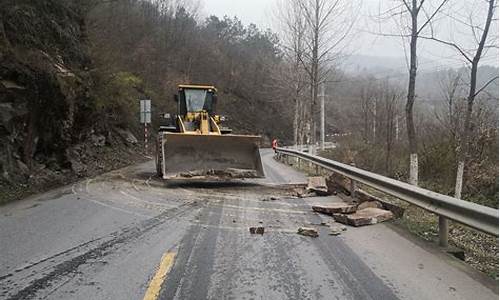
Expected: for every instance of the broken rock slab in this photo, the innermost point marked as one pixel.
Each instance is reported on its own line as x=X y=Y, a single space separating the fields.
x=308 y=231
x=364 y=196
x=366 y=216
x=338 y=183
x=317 y=184
x=367 y=204
x=305 y=194
x=333 y=208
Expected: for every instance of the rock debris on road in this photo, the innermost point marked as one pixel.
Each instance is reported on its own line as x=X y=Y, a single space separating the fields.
x=127 y=235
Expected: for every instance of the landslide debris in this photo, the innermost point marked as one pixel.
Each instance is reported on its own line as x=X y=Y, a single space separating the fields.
x=366 y=216
x=365 y=213
x=317 y=185
x=307 y=231
x=333 y=208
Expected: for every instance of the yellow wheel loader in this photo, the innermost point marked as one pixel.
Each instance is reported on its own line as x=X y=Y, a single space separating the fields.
x=193 y=143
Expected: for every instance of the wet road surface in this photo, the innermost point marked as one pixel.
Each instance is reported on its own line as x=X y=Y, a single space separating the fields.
x=127 y=235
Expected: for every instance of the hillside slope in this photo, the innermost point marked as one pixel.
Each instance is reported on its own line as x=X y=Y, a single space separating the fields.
x=48 y=131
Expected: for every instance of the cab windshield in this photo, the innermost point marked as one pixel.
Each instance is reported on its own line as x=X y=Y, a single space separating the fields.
x=195 y=99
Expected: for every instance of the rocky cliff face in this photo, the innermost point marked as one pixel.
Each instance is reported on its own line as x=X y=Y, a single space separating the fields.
x=43 y=83
x=46 y=100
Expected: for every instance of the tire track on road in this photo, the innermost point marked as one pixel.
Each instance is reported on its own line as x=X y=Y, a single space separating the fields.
x=190 y=276
x=70 y=266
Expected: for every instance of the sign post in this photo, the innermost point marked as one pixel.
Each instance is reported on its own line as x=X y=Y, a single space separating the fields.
x=145 y=119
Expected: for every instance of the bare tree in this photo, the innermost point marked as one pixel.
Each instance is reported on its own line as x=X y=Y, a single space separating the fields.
x=367 y=97
x=451 y=90
x=452 y=109
x=472 y=58
x=328 y=24
x=413 y=18
x=391 y=104
x=293 y=29
x=414 y=9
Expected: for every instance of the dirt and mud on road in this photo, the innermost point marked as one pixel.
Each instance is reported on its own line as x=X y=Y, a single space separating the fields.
x=128 y=235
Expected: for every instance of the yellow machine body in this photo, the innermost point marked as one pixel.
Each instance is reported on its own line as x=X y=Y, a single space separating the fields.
x=196 y=145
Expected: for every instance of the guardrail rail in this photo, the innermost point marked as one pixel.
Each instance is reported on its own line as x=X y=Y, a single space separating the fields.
x=471 y=214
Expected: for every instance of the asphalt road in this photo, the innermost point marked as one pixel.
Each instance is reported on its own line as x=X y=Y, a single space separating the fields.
x=126 y=235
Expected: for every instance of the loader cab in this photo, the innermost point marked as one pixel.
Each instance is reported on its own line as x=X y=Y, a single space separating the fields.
x=196 y=98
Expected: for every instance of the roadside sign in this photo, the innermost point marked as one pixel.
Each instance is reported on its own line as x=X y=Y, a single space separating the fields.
x=146 y=119
x=145 y=111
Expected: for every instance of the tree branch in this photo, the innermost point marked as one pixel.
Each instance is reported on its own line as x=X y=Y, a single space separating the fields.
x=485 y=85
x=449 y=44
x=429 y=19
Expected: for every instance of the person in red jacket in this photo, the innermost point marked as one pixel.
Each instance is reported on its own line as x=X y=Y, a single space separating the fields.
x=275 y=144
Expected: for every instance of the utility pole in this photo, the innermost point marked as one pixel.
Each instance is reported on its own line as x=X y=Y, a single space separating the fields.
x=322 y=128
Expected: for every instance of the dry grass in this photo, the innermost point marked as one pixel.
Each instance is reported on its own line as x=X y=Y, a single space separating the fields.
x=481 y=250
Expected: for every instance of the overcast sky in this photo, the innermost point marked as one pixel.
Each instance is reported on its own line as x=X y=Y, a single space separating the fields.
x=260 y=12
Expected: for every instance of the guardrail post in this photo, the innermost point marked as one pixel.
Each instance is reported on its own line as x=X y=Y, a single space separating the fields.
x=317 y=170
x=443 y=231
x=353 y=185
x=353 y=188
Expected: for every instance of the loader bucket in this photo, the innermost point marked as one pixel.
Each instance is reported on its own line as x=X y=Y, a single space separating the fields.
x=220 y=155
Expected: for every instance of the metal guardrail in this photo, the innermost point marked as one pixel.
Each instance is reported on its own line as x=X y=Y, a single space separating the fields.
x=308 y=148
x=471 y=214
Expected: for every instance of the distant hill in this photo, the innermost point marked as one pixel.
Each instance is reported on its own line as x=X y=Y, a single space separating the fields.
x=380 y=65
x=430 y=84
x=430 y=77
